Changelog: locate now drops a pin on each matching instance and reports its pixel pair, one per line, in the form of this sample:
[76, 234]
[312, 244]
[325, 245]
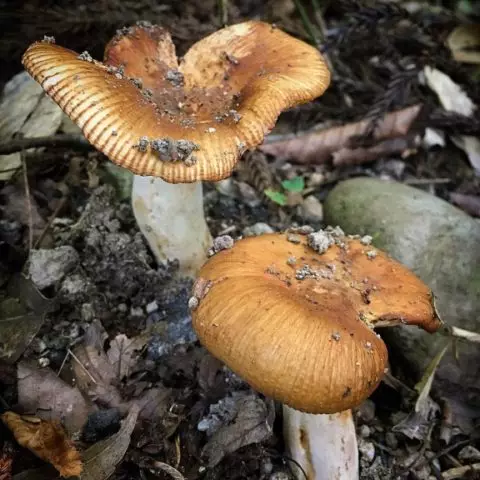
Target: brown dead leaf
[47, 440]
[42, 392]
[6, 460]
[94, 373]
[124, 352]
[101, 459]
[468, 203]
[318, 147]
[252, 424]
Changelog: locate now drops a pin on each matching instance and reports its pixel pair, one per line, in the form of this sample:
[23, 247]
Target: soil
[377, 50]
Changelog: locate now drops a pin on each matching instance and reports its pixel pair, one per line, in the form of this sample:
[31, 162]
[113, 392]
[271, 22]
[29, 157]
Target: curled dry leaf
[182, 121]
[318, 147]
[252, 424]
[47, 440]
[42, 392]
[101, 459]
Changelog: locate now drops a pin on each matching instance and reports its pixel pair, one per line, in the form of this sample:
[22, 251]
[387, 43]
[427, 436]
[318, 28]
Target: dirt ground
[111, 284]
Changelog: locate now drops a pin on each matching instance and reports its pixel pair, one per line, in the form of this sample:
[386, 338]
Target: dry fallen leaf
[6, 460]
[47, 440]
[42, 392]
[93, 371]
[318, 147]
[464, 43]
[101, 459]
[253, 424]
[124, 352]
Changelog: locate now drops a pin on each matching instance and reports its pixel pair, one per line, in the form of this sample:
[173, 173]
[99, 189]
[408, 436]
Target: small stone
[122, 307]
[143, 144]
[136, 312]
[366, 449]
[85, 56]
[38, 345]
[366, 240]
[48, 266]
[391, 440]
[315, 179]
[223, 242]
[365, 431]
[291, 261]
[366, 411]
[291, 237]
[469, 453]
[336, 336]
[311, 209]
[371, 254]
[151, 307]
[47, 39]
[87, 312]
[249, 194]
[302, 230]
[258, 228]
[175, 78]
[320, 241]
[43, 362]
[193, 303]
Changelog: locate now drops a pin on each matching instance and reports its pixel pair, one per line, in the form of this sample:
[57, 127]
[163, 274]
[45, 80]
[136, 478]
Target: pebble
[151, 307]
[391, 440]
[311, 209]
[365, 431]
[258, 228]
[136, 312]
[366, 411]
[366, 449]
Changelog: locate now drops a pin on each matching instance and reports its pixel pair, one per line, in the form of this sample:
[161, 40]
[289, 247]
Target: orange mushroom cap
[146, 110]
[297, 324]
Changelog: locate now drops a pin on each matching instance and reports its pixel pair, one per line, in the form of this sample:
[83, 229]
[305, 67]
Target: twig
[82, 366]
[53, 216]
[29, 203]
[60, 140]
[443, 452]
[223, 12]
[460, 333]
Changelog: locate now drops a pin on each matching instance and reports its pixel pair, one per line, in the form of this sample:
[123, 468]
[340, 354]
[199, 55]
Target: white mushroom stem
[172, 220]
[325, 446]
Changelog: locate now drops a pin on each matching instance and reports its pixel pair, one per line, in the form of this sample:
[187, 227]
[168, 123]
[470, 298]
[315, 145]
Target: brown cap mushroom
[182, 121]
[293, 314]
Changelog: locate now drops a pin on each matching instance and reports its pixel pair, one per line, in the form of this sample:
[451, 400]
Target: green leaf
[277, 197]
[296, 184]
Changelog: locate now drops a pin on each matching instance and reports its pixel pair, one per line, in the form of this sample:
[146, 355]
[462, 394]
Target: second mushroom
[293, 314]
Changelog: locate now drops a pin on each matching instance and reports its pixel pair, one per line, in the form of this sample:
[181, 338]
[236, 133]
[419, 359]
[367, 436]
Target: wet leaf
[101, 459]
[21, 316]
[47, 440]
[294, 185]
[277, 197]
[42, 392]
[124, 352]
[252, 424]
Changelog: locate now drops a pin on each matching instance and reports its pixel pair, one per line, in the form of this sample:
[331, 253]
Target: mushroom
[293, 314]
[179, 122]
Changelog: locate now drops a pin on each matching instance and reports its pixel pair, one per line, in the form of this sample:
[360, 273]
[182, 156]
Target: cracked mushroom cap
[186, 120]
[296, 323]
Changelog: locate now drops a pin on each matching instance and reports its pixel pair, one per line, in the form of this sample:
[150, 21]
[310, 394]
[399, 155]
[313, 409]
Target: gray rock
[47, 267]
[440, 243]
